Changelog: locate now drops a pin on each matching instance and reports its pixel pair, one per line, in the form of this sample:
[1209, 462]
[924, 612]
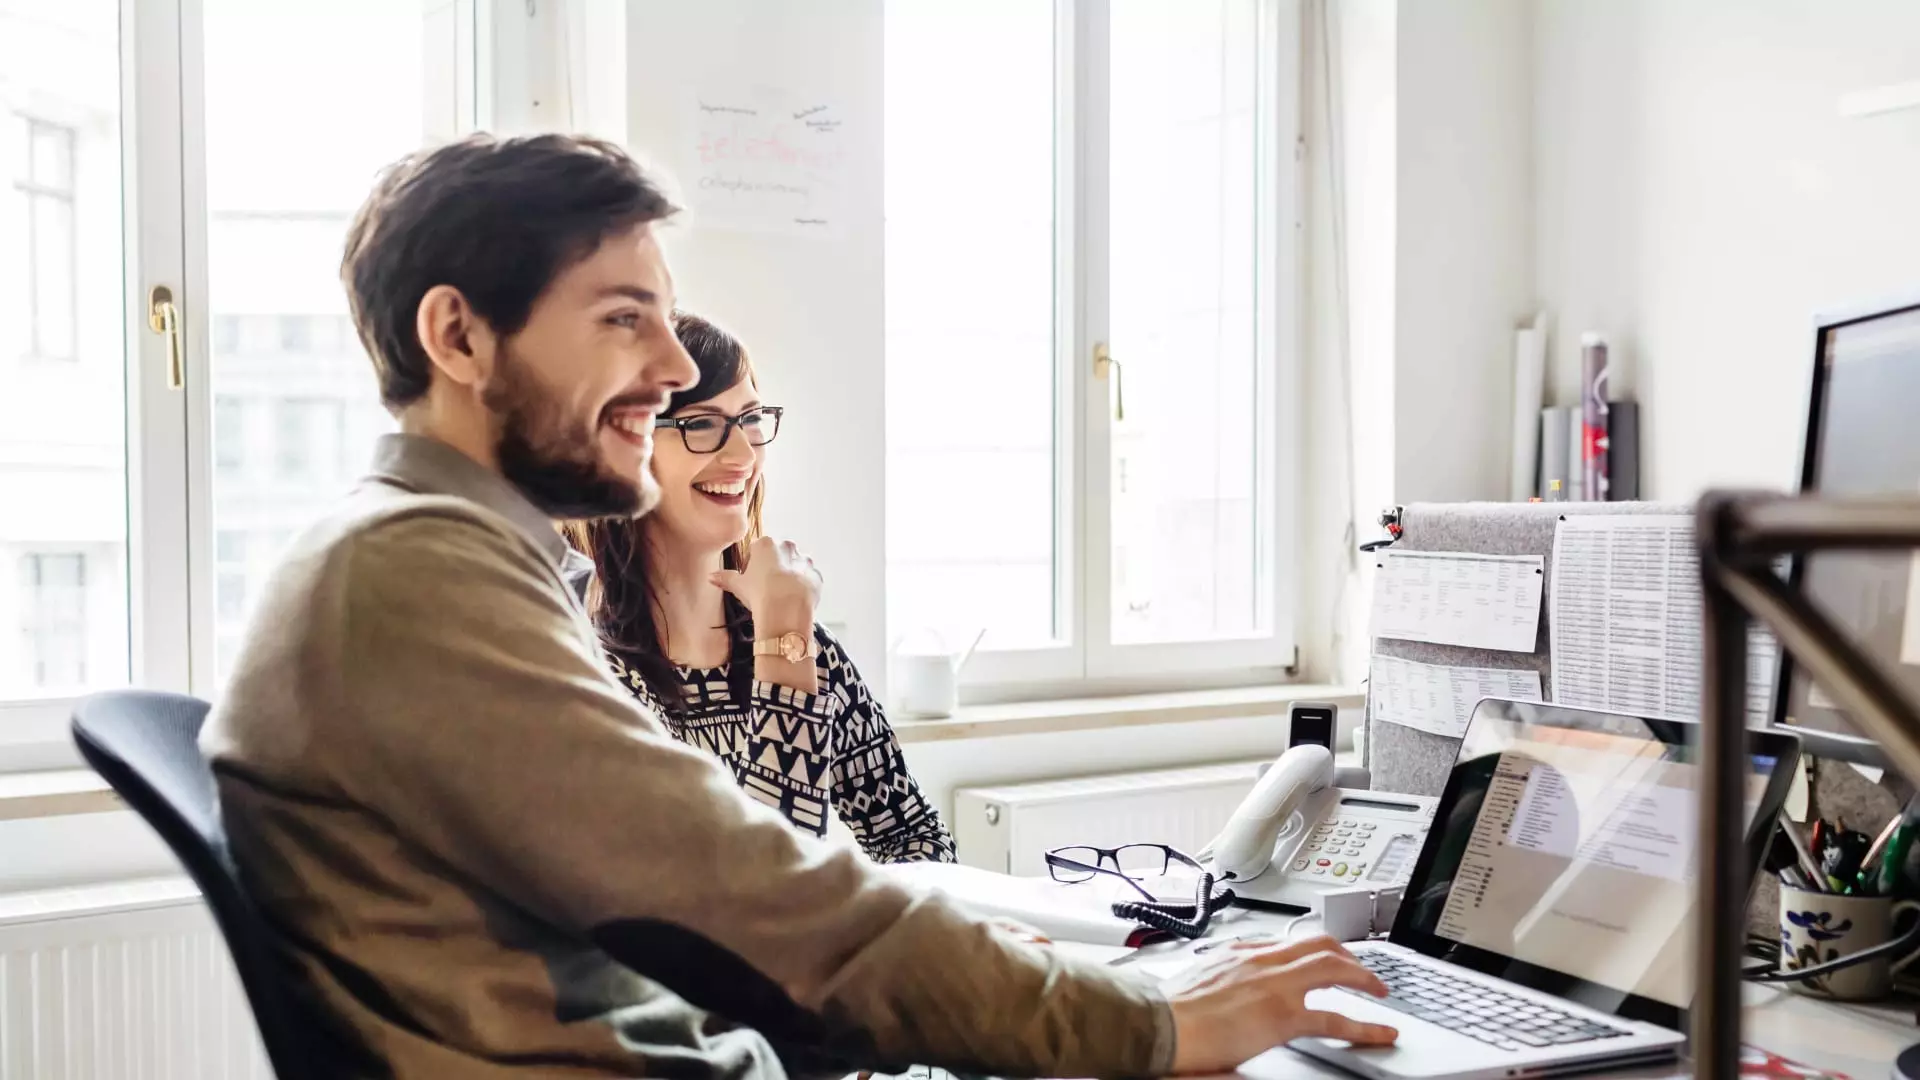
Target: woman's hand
[779, 585]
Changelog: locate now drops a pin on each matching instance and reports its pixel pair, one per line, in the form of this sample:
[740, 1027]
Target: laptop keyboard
[1473, 1009]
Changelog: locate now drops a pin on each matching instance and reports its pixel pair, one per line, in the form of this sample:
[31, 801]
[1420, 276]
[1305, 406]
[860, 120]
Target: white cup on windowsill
[927, 677]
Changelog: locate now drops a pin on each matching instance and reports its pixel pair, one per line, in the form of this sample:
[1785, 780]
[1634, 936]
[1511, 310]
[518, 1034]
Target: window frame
[1088, 661]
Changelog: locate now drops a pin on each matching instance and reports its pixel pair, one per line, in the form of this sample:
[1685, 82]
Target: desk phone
[1297, 836]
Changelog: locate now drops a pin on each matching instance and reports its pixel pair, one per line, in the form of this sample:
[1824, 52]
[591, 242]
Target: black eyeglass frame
[1057, 862]
[726, 433]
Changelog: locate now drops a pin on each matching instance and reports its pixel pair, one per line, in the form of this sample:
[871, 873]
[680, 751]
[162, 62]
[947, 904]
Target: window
[971, 530]
[250, 249]
[46, 185]
[53, 626]
[64, 496]
[1123, 200]
[268, 231]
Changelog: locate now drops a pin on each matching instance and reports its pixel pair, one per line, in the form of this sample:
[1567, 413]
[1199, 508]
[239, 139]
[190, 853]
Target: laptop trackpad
[1423, 1048]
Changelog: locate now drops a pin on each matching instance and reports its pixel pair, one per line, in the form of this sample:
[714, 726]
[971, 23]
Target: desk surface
[1859, 1041]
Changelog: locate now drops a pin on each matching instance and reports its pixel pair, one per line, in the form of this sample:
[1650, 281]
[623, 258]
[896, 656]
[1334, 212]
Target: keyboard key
[1528, 1038]
[1570, 1037]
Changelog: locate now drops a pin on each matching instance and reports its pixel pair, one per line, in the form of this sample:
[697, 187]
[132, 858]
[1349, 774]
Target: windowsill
[1132, 710]
[55, 793]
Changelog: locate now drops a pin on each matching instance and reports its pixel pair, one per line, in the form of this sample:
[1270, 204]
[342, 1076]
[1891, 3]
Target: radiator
[1009, 828]
[121, 982]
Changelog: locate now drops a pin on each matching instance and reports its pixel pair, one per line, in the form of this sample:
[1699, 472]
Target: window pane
[63, 448]
[51, 242]
[296, 404]
[1183, 232]
[51, 149]
[229, 434]
[969, 263]
[53, 604]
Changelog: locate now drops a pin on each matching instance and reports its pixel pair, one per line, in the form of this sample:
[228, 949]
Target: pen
[1880, 842]
[1807, 865]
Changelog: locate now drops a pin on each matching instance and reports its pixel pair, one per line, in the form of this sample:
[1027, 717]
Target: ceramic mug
[929, 686]
[1816, 927]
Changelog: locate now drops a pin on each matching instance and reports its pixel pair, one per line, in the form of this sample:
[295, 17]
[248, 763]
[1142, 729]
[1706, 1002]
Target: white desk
[1860, 1041]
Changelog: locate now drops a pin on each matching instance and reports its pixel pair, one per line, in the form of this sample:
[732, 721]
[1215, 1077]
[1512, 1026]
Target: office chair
[146, 746]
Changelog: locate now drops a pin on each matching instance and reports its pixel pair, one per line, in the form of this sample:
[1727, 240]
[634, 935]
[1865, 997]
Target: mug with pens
[1838, 909]
[1831, 858]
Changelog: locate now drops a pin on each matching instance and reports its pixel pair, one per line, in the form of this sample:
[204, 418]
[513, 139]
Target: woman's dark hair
[497, 219]
[622, 597]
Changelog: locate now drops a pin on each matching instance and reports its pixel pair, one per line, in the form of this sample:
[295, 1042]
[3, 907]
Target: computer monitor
[1862, 438]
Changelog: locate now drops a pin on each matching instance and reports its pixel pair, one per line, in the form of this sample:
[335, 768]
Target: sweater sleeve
[482, 725]
[873, 792]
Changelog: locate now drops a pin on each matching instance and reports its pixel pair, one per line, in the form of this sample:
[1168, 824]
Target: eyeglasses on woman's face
[707, 433]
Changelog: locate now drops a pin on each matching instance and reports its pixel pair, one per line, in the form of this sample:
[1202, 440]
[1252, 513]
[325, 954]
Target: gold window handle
[164, 318]
[1104, 365]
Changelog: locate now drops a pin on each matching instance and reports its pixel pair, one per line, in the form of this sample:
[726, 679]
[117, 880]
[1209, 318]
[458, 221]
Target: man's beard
[556, 467]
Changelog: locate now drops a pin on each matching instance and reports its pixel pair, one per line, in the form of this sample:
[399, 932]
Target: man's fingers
[1326, 969]
[1328, 1025]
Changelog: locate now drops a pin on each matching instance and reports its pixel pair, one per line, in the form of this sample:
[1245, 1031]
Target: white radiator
[1010, 828]
[121, 982]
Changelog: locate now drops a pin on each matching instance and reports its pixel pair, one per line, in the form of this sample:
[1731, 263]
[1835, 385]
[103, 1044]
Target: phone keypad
[1336, 849]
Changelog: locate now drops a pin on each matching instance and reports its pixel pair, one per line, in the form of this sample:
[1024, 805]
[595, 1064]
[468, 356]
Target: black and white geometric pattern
[805, 753]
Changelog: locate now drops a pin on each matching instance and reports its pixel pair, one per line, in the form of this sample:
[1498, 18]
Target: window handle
[1104, 365]
[164, 318]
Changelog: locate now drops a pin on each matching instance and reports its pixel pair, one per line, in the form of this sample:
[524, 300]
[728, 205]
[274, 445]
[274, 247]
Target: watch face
[794, 646]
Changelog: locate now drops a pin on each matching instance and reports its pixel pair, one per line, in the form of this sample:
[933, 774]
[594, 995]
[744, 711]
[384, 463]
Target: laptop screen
[1563, 856]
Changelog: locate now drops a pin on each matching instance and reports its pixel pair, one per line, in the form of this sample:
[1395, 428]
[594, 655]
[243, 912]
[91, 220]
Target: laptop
[1546, 928]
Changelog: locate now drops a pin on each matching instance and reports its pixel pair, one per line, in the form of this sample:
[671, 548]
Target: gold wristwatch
[790, 647]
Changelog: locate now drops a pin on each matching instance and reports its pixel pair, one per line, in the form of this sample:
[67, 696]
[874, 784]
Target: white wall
[1463, 242]
[1699, 198]
[1433, 143]
[809, 309]
[1365, 80]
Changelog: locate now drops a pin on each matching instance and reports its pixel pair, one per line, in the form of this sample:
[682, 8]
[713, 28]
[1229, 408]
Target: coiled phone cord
[1186, 920]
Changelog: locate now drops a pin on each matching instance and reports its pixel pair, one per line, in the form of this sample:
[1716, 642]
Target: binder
[1555, 442]
[1623, 450]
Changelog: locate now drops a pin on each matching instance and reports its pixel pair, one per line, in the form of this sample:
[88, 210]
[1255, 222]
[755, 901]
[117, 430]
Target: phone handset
[1244, 849]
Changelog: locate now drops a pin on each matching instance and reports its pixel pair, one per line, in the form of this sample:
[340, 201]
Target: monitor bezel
[1816, 742]
[1783, 746]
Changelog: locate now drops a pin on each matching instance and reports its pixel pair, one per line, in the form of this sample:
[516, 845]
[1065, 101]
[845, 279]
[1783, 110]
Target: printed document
[1459, 598]
[1440, 699]
[1625, 619]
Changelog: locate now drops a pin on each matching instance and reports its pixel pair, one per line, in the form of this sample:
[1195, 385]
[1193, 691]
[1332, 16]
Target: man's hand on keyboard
[1254, 999]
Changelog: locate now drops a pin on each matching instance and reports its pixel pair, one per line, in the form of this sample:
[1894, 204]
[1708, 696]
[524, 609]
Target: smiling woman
[710, 622]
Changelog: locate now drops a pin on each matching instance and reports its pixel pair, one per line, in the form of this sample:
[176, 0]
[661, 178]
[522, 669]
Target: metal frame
[1739, 535]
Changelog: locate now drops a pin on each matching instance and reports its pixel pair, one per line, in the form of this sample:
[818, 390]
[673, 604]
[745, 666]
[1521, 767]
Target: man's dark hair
[497, 219]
